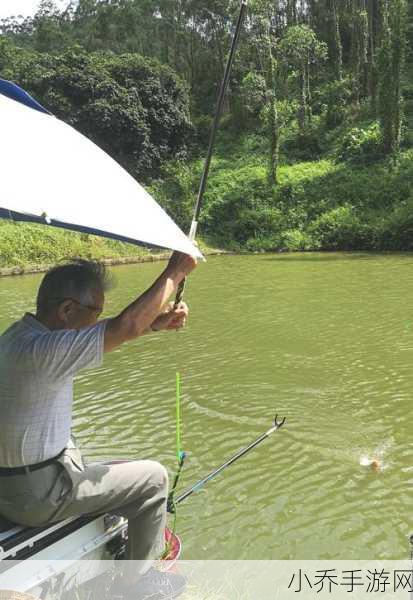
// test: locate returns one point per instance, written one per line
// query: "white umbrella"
(52, 174)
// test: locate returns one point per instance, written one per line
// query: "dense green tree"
(300, 49)
(136, 109)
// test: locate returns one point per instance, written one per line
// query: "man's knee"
(159, 475)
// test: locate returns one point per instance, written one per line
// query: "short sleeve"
(64, 352)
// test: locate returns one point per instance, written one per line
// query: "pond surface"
(323, 339)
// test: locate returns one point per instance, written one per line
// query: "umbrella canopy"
(52, 174)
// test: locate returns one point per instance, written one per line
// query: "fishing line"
(178, 416)
(180, 455)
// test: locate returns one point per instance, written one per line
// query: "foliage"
(332, 100)
(304, 145)
(300, 49)
(239, 209)
(253, 90)
(362, 146)
(175, 190)
(193, 38)
(317, 205)
(391, 60)
(300, 45)
(134, 108)
(341, 229)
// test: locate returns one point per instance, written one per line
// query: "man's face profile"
(73, 314)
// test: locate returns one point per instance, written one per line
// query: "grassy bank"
(28, 248)
(25, 247)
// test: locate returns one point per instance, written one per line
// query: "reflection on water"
(324, 339)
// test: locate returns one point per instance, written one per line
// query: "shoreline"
(131, 260)
(116, 261)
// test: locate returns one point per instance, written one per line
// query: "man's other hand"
(143, 314)
(171, 318)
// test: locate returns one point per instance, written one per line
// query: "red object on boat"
(168, 563)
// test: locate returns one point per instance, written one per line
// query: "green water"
(323, 339)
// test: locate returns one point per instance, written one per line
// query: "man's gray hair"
(78, 279)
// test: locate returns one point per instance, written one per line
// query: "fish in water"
(373, 463)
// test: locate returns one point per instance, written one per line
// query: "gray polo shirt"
(37, 367)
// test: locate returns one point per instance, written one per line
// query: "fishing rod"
(197, 486)
(218, 111)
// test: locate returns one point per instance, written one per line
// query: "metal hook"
(278, 424)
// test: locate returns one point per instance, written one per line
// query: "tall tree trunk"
(292, 16)
(338, 48)
(377, 8)
(309, 113)
(372, 74)
(273, 123)
(385, 99)
(364, 47)
(398, 27)
(355, 53)
(312, 16)
(302, 111)
(191, 58)
(391, 64)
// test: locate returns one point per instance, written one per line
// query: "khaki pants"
(136, 490)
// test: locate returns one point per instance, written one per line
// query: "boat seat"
(5, 525)
(19, 541)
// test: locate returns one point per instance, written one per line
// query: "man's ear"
(65, 311)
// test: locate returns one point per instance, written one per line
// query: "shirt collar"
(31, 320)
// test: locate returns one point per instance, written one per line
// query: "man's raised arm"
(137, 318)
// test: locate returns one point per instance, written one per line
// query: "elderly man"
(42, 475)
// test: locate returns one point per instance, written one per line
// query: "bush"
(261, 243)
(253, 93)
(203, 127)
(303, 146)
(295, 240)
(291, 240)
(361, 146)
(333, 100)
(238, 205)
(396, 229)
(176, 191)
(341, 229)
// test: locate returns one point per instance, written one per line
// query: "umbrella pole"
(218, 111)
